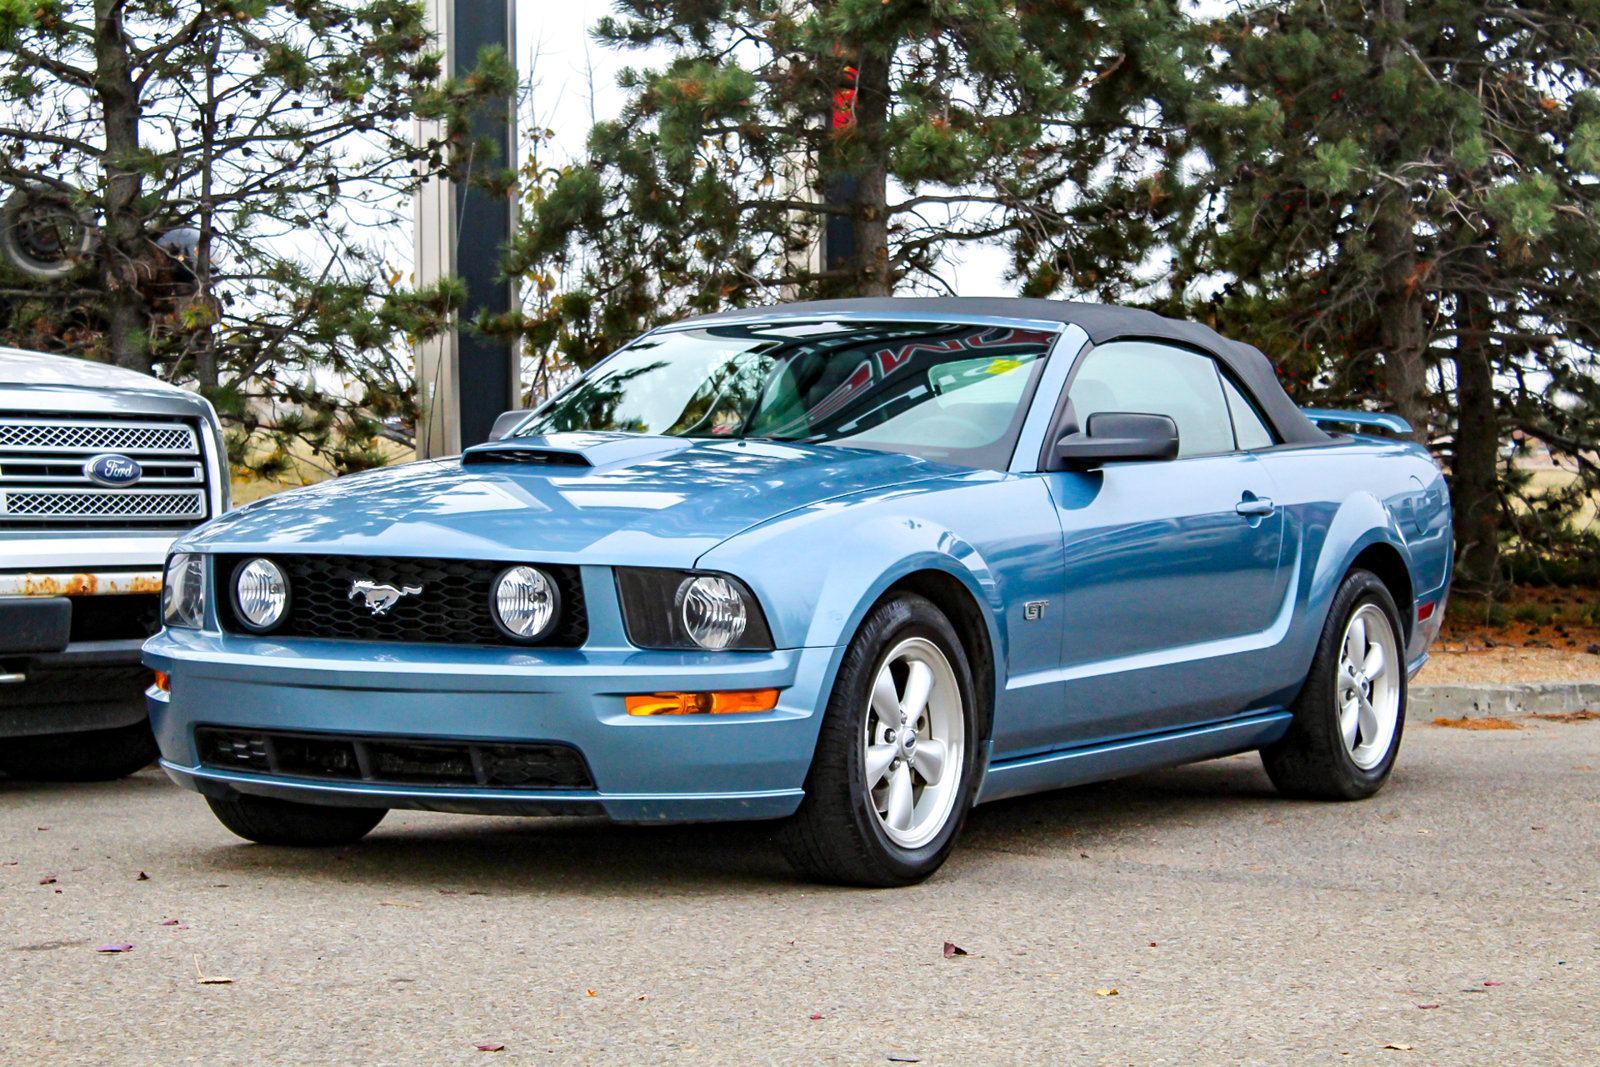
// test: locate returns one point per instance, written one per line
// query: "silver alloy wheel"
(914, 742)
(1369, 686)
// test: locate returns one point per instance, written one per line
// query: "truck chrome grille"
(44, 483)
(452, 609)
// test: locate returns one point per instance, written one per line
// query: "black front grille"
(451, 609)
(394, 760)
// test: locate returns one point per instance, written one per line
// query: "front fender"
(819, 570)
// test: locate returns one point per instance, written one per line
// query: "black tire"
(1312, 761)
(268, 821)
(837, 835)
(90, 756)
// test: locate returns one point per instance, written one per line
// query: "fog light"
(738, 702)
(260, 594)
(525, 603)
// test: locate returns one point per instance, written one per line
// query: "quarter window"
(1155, 379)
(1248, 427)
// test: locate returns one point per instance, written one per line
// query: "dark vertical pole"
(487, 366)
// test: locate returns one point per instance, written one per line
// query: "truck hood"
(566, 498)
(19, 367)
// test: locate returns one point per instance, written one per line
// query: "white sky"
(554, 45)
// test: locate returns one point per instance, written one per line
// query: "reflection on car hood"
(659, 501)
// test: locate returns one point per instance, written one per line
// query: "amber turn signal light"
(740, 702)
(163, 683)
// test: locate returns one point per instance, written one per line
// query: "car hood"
(565, 498)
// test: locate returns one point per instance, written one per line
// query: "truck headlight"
(260, 594)
(183, 591)
(691, 610)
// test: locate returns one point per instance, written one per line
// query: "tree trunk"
(872, 177)
(1475, 454)
(1404, 327)
(124, 251)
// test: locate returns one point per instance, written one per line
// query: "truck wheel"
(269, 821)
(893, 776)
(90, 756)
(1348, 718)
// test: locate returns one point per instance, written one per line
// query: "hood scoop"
(502, 453)
(571, 450)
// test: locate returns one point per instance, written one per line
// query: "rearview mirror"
(1119, 437)
(506, 422)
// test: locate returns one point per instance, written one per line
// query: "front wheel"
(1349, 717)
(893, 776)
(269, 821)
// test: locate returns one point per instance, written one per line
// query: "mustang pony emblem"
(379, 598)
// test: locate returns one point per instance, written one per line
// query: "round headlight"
(712, 611)
(525, 602)
(260, 594)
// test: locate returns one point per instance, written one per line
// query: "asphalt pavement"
(1185, 917)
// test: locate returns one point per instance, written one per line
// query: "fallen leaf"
(172, 922)
(902, 1059)
(142, 877)
(816, 1015)
(47, 881)
(952, 949)
(448, 892)
(1488, 722)
(1568, 716)
(591, 992)
(1426, 1006)
(209, 979)
(491, 1047)
(1399, 1046)
(1494, 983)
(121, 947)
(397, 904)
(41, 827)
(1106, 993)
(1152, 944)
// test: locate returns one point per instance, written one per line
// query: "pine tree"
(923, 125)
(216, 187)
(1402, 199)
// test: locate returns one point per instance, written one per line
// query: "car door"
(1172, 571)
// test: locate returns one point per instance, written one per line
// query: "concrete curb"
(1429, 702)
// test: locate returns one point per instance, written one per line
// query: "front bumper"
(52, 683)
(668, 768)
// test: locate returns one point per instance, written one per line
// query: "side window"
(1248, 426)
(1155, 379)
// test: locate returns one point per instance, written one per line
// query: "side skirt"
(1076, 766)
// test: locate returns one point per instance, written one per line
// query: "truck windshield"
(955, 393)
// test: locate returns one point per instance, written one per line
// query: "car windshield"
(950, 392)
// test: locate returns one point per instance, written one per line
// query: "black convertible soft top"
(1102, 322)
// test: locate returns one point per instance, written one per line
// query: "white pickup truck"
(100, 470)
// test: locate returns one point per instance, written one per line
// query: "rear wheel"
(1349, 717)
(893, 776)
(89, 756)
(269, 821)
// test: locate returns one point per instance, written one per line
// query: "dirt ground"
(1537, 634)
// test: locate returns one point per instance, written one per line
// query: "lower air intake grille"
(394, 760)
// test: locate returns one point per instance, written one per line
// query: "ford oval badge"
(113, 471)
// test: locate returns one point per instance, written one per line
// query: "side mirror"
(507, 421)
(1119, 437)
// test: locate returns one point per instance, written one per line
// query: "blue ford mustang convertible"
(853, 565)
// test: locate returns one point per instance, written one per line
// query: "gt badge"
(1034, 609)
(379, 598)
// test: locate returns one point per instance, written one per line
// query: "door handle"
(1255, 505)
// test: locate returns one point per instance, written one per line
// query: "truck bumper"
(53, 684)
(350, 696)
